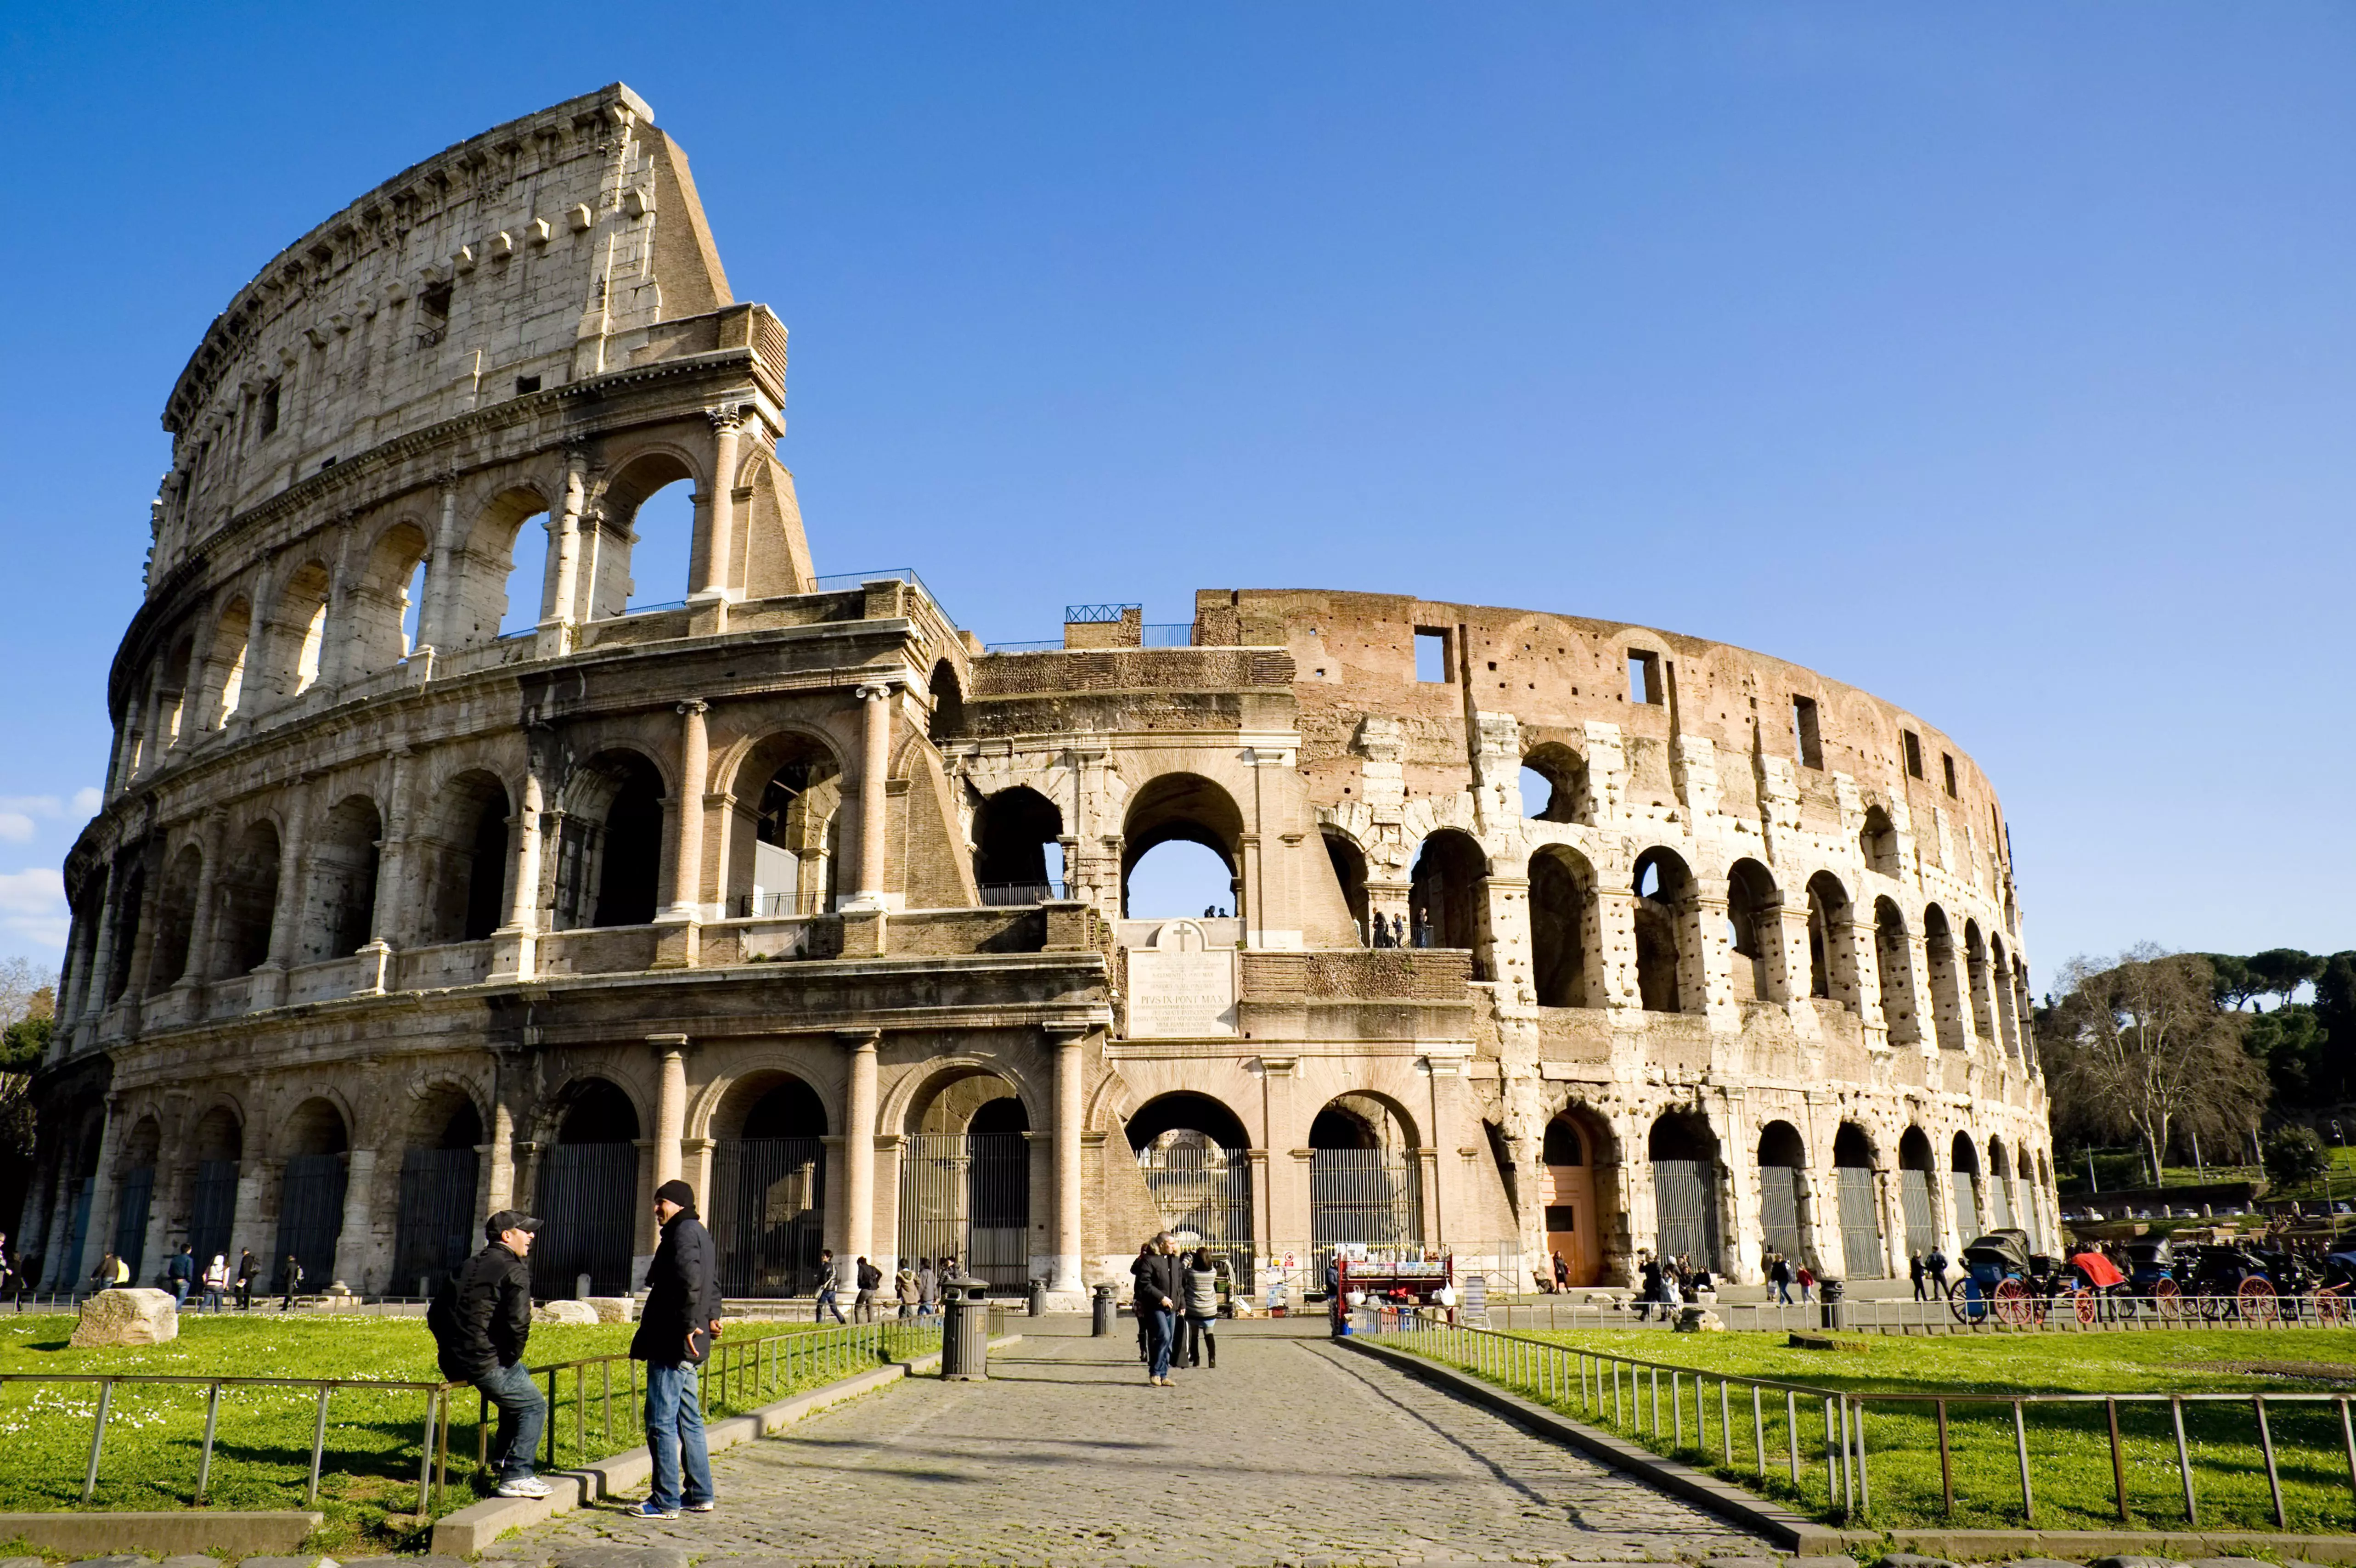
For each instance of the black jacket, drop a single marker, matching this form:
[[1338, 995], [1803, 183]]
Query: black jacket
[[488, 1318], [683, 1297], [181, 1267], [1159, 1277]]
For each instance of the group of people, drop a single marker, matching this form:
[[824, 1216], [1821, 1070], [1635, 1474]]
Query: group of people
[[1176, 1297], [1782, 1274], [481, 1322], [212, 1284], [1395, 934], [1930, 1274], [1668, 1283], [918, 1290]]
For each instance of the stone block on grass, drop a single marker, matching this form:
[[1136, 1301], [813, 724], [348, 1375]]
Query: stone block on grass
[[610, 1308], [135, 1316], [564, 1312]]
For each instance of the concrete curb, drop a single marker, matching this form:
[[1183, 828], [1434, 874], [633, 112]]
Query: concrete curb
[[1779, 1526], [471, 1529], [2083, 1545], [189, 1531]]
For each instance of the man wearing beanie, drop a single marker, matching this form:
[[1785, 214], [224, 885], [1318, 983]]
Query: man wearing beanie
[[675, 1334]]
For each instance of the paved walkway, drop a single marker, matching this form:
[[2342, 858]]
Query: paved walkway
[[1291, 1451]]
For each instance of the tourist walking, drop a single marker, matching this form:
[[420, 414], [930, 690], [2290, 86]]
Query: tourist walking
[[1914, 1268], [1561, 1273], [215, 1284], [1936, 1266], [1779, 1274], [1140, 1299], [862, 1305], [1202, 1309], [903, 1285], [180, 1274], [829, 1289], [1162, 1292], [1807, 1283], [291, 1276], [248, 1266], [928, 1288], [1648, 1280], [481, 1320], [675, 1328]]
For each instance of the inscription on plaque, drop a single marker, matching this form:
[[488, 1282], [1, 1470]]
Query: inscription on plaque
[[1181, 993]]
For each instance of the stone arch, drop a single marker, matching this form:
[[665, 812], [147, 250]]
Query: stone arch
[[298, 631], [784, 836], [246, 900], [220, 1133], [1566, 932], [2000, 979], [1190, 1149], [1565, 773], [1576, 1153], [221, 689], [1753, 929], [1664, 889], [1180, 1112], [1856, 1166], [1347, 860], [391, 584], [477, 600], [1877, 842], [433, 1215], [1963, 1160], [1182, 808], [610, 843], [946, 719], [339, 904], [586, 1186], [610, 564], [1013, 830], [1444, 893], [767, 1200], [1976, 977], [1998, 1182], [1362, 1118], [321, 1124], [1894, 969], [175, 915], [1786, 1216], [1946, 988], [965, 1169], [1684, 1150], [460, 857], [1832, 968], [1365, 1177]]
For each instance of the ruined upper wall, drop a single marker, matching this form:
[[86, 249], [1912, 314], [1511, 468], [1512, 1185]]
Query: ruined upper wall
[[502, 264]]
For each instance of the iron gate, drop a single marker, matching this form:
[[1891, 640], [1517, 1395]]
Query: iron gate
[[1922, 1217], [310, 1217], [213, 1211], [131, 1203], [588, 1196], [2000, 1203], [1860, 1218], [1685, 1208], [967, 1196], [436, 1228], [1363, 1197], [768, 1207], [1967, 1210], [1779, 1209], [1205, 1199]]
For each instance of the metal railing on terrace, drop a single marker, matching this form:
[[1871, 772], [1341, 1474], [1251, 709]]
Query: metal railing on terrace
[[1014, 895], [843, 581]]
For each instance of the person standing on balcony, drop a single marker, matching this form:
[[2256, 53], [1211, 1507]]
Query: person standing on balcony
[[676, 1330], [481, 1320]]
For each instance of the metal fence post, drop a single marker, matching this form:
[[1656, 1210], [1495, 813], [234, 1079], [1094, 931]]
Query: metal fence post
[[319, 1443], [1946, 1464], [97, 1439], [205, 1459], [2118, 1463], [2021, 1446], [2184, 1462], [2266, 1445]]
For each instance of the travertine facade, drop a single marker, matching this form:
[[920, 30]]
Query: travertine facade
[[391, 918]]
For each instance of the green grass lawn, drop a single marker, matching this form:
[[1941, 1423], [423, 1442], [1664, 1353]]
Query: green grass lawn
[[262, 1451], [2070, 1465]]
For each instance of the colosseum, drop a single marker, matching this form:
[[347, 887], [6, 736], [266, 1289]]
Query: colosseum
[[438, 873]]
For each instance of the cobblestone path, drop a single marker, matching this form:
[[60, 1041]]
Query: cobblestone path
[[1291, 1451]]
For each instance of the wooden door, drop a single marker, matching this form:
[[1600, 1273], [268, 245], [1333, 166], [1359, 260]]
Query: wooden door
[[1570, 1222]]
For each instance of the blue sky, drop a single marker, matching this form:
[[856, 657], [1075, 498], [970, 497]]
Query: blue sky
[[1996, 359]]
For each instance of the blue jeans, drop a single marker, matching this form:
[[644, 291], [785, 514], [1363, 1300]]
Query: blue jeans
[[179, 1295], [675, 1438], [826, 1304], [1160, 1326], [1783, 1293], [523, 1411]]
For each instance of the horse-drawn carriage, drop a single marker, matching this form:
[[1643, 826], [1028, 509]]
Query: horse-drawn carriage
[[2003, 1280]]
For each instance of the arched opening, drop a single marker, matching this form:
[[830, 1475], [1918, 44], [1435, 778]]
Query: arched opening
[[1662, 888], [435, 1229], [1684, 1152], [768, 1185], [341, 908], [1192, 1152], [2001, 1215], [1860, 1203], [463, 860], [299, 636], [224, 673], [785, 841], [384, 603], [1783, 1191], [131, 896], [1877, 842], [965, 1178], [587, 1200], [1752, 910], [1831, 963], [175, 718], [1443, 900], [1572, 1148], [609, 849], [134, 1193], [639, 554], [501, 572], [1894, 969], [1349, 864], [1018, 854], [1976, 976], [1564, 931], [248, 900], [1553, 784], [1915, 1194], [1365, 1182], [175, 915], [2000, 979], [1946, 991], [1169, 812], [218, 1139], [1965, 1162], [947, 719], [311, 1194]]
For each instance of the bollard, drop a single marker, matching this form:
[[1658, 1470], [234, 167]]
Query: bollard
[[1038, 1298], [1830, 1292], [965, 1329], [1106, 1309]]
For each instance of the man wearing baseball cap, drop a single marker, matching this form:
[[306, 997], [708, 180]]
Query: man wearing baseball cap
[[481, 1318]]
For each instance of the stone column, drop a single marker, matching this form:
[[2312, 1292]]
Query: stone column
[[858, 1145], [356, 1233], [670, 1103], [268, 983], [512, 944], [1856, 937], [98, 1236], [716, 558], [1071, 1063], [556, 616], [694, 763], [199, 966], [433, 615], [874, 768], [143, 934], [1615, 919], [101, 960]]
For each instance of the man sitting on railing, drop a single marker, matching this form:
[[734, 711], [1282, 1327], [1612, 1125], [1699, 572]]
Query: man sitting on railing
[[481, 1319]]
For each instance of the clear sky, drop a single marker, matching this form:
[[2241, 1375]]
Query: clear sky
[[1995, 359]]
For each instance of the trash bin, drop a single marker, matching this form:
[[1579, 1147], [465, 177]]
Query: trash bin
[[1038, 1298], [1829, 1292], [1106, 1310], [965, 1329]]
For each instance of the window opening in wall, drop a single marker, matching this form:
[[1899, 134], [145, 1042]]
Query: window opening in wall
[[1948, 763], [1805, 738], [526, 384], [433, 315], [412, 603], [1913, 753], [1537, 793], [270, 409], [664, 531], [1644, 684], [1179, 880], [1554, 783], [1017, 853], [526, 577], [1431, 660]]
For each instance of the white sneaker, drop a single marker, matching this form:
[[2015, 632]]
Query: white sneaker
[[524, 1486]]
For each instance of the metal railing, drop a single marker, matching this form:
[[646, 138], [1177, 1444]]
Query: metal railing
[[784, 905], [2063, 1314], [1569, 1377], [1014, 895], [842, 582]]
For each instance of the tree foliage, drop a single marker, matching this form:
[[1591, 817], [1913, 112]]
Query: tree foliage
[[2294, 1156], [27, 1009]]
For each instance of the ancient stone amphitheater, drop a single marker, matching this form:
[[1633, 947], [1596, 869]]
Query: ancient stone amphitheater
[[438, 873]]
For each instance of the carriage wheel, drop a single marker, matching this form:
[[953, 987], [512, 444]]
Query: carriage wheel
[[2012, 1303], [2168, 1299], [2257, 1300], [2331, 1306], [1965, 1300], [2089, 1305]]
